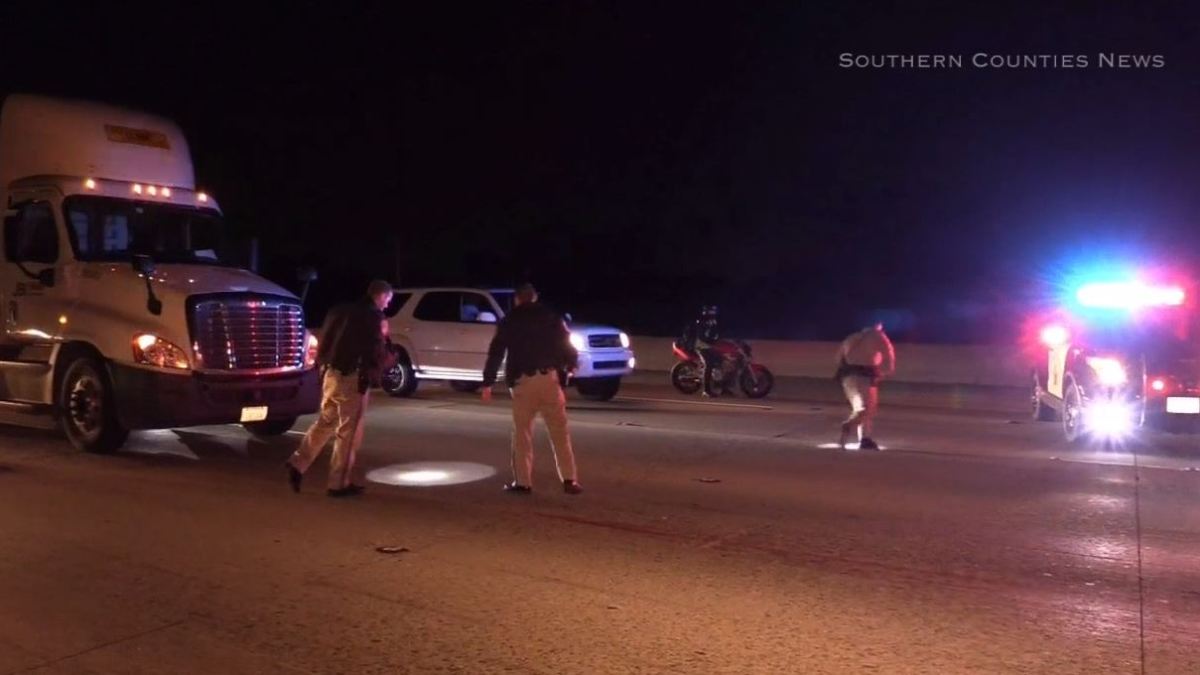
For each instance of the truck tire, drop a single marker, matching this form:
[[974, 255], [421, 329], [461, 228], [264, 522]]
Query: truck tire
[[598, 388], [1072, 412], [87, 407], [270, 428], [465, 386], [400, 380], [1041, 411]]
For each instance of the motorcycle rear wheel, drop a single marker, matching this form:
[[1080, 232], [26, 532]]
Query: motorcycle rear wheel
[[686, 377]]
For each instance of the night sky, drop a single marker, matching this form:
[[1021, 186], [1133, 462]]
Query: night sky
[[638, 159]]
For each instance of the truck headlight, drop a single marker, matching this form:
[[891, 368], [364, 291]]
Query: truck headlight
[[624, 340], [577, 341], [152, 350], [310, 351], [1110, 372]]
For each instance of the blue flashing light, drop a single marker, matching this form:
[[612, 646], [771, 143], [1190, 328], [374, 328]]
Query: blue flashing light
[[1128, 295]]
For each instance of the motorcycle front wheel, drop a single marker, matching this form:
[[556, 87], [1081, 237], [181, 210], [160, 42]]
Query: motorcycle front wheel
[[757, 381], [685, 377]]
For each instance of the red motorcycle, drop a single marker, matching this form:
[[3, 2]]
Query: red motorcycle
[[735, 366]]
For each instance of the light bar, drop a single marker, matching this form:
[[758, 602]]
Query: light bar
[[1126, 295]]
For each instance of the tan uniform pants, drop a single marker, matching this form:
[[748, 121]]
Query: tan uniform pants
[[342, 410], [533, 395], [863, 396]]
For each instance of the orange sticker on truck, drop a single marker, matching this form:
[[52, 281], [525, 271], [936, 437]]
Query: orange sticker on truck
[[146, 137]]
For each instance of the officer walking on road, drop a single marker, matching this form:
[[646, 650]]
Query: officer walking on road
[[540, 356], [863, 360], [351, 356]]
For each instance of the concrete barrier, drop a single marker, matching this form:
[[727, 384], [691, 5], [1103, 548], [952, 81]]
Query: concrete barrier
[[980, 365], [931, 364]]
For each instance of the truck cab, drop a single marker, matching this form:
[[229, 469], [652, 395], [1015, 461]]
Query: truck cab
[[119, 312]]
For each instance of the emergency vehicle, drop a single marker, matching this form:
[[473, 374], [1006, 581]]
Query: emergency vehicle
[[1125, 352], [118, 310]]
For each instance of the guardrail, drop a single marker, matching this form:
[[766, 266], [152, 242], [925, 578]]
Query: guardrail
[[932, 364], [983, 365]]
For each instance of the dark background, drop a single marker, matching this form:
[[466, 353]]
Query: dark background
[[638, 159]]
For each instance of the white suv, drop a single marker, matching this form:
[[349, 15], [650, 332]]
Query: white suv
[[444, 334]]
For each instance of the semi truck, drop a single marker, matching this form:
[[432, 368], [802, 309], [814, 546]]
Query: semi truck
[[119, 310]]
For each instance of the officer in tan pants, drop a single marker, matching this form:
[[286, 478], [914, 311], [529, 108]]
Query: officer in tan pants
[[540, 355], [351, 356]]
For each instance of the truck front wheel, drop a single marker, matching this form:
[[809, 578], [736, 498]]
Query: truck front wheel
[[88, 408]]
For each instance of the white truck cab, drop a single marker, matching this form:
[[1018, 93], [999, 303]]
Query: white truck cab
[[444, 334], [118, 312]]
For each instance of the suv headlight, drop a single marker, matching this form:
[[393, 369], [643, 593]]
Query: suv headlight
[[1109, 371], [152, 350], [578, 342]]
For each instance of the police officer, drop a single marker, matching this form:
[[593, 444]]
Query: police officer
[[864, 358], [540, 357], [351, 356]]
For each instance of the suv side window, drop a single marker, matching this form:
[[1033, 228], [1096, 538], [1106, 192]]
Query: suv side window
[[399, 300], [438, 306], [453, 307], [30, 236], [474, 304]]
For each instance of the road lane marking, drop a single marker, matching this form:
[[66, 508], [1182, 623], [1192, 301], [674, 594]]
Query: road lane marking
[[687, 402]]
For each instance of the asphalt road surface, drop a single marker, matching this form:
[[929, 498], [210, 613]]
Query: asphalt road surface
[[711, 538]]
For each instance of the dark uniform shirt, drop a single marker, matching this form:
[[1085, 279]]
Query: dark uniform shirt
[[535, 339], [351, 341]]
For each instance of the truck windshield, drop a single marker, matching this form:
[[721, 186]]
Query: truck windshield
[[106, 229]]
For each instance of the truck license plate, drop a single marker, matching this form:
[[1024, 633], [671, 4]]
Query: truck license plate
[[259, 413], [1185, 405]]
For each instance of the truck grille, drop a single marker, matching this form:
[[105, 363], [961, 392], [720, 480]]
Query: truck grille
[[604, 341], [248, 333]]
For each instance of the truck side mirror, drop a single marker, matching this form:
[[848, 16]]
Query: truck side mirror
[[143, 265], [305, 275]]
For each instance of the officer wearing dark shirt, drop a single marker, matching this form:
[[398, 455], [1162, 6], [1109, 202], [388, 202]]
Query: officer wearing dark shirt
[[351, 354], [540, 356]]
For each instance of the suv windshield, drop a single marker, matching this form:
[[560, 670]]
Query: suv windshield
[[106, 229]]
